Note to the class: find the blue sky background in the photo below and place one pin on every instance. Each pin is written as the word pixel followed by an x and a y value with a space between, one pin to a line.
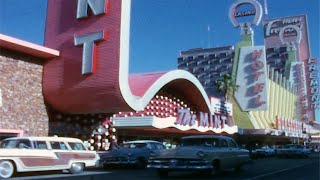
pixel 160 29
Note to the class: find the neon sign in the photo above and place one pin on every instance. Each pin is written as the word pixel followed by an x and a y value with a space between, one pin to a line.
pixel 257 65
pixel 274 27
pixel 256 12
pixel 88 41
pixel 252 78
pixel 186 118
pixel 314 84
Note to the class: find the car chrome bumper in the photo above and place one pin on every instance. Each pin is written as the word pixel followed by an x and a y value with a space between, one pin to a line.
pixel 177 164
pixel 126 162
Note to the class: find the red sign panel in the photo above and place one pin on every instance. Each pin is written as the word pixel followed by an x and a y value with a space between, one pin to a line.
pixel 273 27
pixel 85 78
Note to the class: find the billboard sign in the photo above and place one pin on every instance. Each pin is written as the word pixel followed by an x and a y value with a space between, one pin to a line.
pixel 273 27
pixel 252 79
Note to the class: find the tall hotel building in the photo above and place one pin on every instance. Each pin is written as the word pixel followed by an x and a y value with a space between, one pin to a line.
pixel 208 65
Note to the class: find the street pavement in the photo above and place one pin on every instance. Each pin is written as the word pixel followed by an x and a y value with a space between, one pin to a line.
pixel 263 168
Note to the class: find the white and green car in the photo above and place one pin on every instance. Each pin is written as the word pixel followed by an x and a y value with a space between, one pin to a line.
pixel 205 153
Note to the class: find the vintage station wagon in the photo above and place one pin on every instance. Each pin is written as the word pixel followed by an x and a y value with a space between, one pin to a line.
pixel 23 154
pixel 204 153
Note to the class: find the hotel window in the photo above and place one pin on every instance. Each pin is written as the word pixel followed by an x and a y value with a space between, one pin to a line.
pixel 284 56
pixel 270 50
pixel 212 56
pixel 200 57
pixel 223 55
pixel 283 49
pixel 190 58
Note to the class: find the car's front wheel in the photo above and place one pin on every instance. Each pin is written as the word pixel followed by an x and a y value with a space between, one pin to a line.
pixel 215 169
pixel 76 168
pixel 7 169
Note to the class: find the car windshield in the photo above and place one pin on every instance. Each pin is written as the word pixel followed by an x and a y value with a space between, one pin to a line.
pixel 134 145
pixel 208 142
pixel 293 146
pixel 14 143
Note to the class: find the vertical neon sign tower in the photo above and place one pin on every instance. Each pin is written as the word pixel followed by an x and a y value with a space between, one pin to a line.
pixel 290 36
pixel 246 29
pixel 249 66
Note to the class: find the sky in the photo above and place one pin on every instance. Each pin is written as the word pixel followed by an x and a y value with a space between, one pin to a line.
pixel 160 29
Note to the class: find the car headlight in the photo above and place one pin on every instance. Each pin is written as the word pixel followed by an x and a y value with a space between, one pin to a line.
pixel 201 154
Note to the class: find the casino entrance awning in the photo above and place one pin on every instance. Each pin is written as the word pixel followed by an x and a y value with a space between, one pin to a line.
pixel 167 125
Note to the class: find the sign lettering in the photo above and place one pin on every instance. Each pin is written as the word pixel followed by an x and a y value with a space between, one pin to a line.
pixel 314 84
pixel 185 118
pixel 257 64
pixel 97 7
pixel 252 72
pixel 89 40
pixel 88 53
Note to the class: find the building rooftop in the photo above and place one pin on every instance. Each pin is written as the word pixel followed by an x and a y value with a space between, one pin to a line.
pixel 27 47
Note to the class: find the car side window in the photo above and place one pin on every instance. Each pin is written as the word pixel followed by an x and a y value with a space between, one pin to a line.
pixel 40 145
pixel 76 146
pixel 160 146
pixel 232 144
pixel 224 143
pixel 208 142
pixel 58 145
pixel 24 144
pixel 151 146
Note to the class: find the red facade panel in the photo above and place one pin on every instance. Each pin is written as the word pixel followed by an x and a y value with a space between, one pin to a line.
pixel 64 87
pixel 140 83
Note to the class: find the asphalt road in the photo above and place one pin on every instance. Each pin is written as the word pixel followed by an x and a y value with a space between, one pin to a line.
pixel 264 168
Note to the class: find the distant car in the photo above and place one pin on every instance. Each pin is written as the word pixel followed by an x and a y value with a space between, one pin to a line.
pixel 265 151
pixel 293 150
pixel 25 154
pixel 206 153
pixel 134 153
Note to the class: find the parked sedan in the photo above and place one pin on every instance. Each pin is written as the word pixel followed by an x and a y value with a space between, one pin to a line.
pixel 208 154
pixel 134 153
pixel 293 150
pixel 265 151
